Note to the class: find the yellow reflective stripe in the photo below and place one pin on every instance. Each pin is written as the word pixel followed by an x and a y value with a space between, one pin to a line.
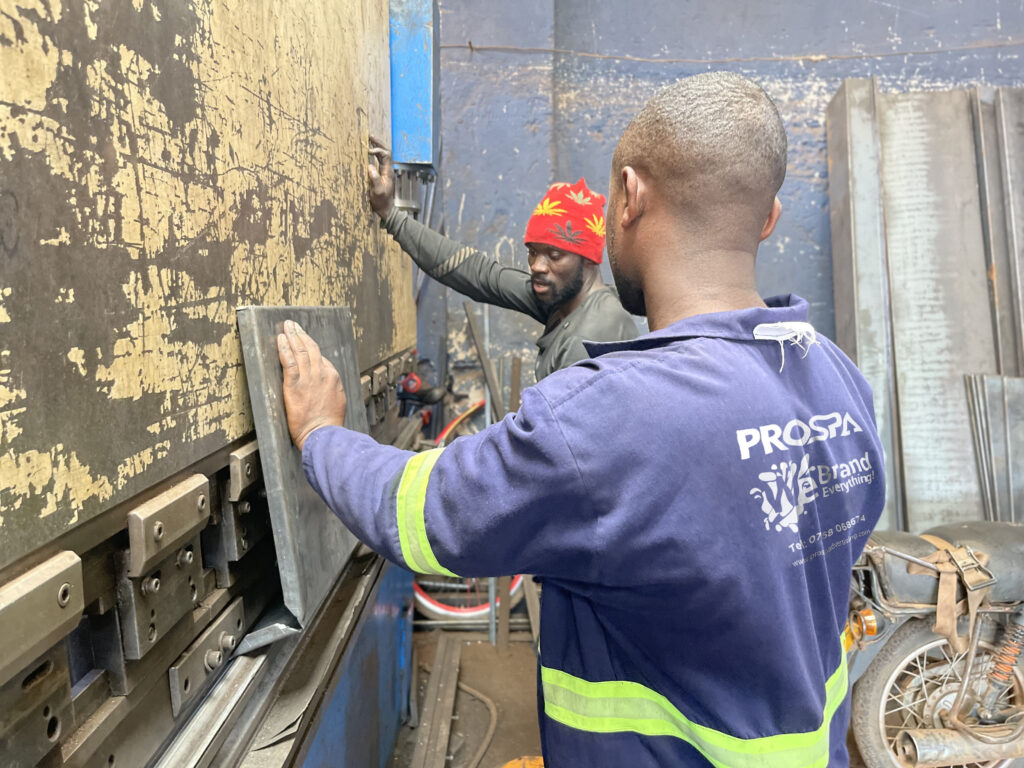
pixel 412 527
pixel 621 706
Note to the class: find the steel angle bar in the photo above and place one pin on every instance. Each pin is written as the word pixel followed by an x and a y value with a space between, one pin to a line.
pixel 999 467
pixel 991 190
pixel 985 441
pixel 1009 118
pixel 941 320
pixel 860 269
pixel 978 441
pixel 1015 445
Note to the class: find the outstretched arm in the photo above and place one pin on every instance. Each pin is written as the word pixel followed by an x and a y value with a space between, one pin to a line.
pixel 460 267
pixel 507 500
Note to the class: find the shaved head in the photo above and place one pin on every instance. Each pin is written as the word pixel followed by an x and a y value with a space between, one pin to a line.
pixel 712 144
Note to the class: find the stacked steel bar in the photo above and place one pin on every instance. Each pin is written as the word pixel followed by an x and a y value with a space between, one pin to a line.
pixel 996 405
pixel 927 236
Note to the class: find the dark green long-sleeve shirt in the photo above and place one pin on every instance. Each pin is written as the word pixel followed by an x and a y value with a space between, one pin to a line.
pixel 599 317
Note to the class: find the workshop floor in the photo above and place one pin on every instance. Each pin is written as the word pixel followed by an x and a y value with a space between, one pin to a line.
pixel 509 679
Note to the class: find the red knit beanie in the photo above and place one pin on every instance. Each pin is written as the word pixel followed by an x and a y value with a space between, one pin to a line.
pixel 569 218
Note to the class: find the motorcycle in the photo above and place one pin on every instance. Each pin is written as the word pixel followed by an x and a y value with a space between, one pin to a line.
pixel 934 638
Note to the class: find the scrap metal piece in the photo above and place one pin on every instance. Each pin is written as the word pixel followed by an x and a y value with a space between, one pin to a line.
pixel 277 624
pixel 35 710
pixel 38 609
pixel 166 521
pixel 312 543
pixel 244 470
pixel 205 656
pixel 149 606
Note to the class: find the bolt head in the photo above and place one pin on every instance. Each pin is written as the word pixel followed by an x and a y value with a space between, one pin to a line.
pixel 248 469
pixel 212 660
pixel 64 595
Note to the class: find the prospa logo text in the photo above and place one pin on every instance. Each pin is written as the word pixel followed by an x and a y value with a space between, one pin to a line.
pixel 797 433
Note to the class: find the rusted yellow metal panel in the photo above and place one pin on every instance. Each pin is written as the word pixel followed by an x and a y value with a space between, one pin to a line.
pixel 161 163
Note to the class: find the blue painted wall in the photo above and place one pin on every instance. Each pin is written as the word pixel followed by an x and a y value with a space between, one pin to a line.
pixel 547 88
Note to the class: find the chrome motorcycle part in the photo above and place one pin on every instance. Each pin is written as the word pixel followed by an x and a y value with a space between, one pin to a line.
pixel 936 747
pixel 913 684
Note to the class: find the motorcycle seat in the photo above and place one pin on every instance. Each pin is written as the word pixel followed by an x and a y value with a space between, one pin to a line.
pixel 1002 542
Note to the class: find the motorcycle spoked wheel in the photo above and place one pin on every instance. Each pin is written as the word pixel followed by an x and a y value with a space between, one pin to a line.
pixel 914 677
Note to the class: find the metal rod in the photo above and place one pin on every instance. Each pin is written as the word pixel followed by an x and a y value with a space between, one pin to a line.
pixel 909 558
pixel 492 614
pixel 516 623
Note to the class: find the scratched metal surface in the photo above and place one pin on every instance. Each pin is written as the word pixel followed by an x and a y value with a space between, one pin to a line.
pixel 311 543
pixel 941 321
pixel 161 163
pixel 859 268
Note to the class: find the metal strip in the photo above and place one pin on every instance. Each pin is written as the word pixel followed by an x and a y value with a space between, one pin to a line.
pixel 432 741
pixel 490 377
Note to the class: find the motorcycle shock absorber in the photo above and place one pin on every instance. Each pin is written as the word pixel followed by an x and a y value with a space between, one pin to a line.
pixel 1000 676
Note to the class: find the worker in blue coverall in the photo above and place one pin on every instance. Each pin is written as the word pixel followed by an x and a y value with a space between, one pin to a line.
pixel 694 499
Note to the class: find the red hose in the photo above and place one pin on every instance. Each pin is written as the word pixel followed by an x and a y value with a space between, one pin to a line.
pixel 458 420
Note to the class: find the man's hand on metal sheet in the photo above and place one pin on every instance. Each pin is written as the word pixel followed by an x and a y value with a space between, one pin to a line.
pixel 313 395
pixel 382 179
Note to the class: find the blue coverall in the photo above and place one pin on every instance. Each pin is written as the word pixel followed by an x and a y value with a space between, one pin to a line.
pixel 694 500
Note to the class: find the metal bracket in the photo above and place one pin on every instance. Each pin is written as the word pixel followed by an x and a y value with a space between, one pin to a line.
pixel 206 655
pixel 148 607
pixel 244 465
pixel 38 609
pixel 35 710
pixel 166 521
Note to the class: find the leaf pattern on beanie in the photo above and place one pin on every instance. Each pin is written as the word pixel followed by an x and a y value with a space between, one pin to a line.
pixel 596 225
pixel 549 207
pixel 567 233
pixel 579 198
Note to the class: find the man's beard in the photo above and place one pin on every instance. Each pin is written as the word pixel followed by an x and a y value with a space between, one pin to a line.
pixel 631 295
pixel 569 291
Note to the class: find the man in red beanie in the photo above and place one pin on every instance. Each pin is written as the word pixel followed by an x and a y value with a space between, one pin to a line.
pixel 563 289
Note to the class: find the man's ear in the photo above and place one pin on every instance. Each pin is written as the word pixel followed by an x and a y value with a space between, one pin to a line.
pixel 773 219
pixel 634 197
